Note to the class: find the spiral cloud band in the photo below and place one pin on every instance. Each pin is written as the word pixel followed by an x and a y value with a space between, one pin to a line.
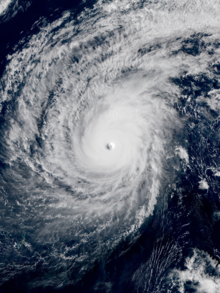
pixel 97 137
pixel 92 130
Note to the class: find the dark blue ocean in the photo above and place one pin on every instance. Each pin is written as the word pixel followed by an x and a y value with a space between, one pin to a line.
pixel 109 146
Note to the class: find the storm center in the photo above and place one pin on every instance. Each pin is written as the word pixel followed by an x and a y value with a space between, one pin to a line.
pixel 110 146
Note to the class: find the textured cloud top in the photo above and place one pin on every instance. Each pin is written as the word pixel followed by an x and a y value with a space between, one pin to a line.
pixel 92 133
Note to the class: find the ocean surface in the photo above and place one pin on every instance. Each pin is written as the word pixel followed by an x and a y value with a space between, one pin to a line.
pixel 110 146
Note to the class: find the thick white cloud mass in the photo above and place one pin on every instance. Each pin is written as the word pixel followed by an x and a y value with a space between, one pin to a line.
pixel 94 119
pixel 3 5
pixel 202 273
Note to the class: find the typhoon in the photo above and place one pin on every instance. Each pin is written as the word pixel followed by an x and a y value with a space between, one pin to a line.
pixel 94 140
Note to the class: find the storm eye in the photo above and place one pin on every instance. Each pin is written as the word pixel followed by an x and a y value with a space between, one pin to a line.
pixel 110 146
